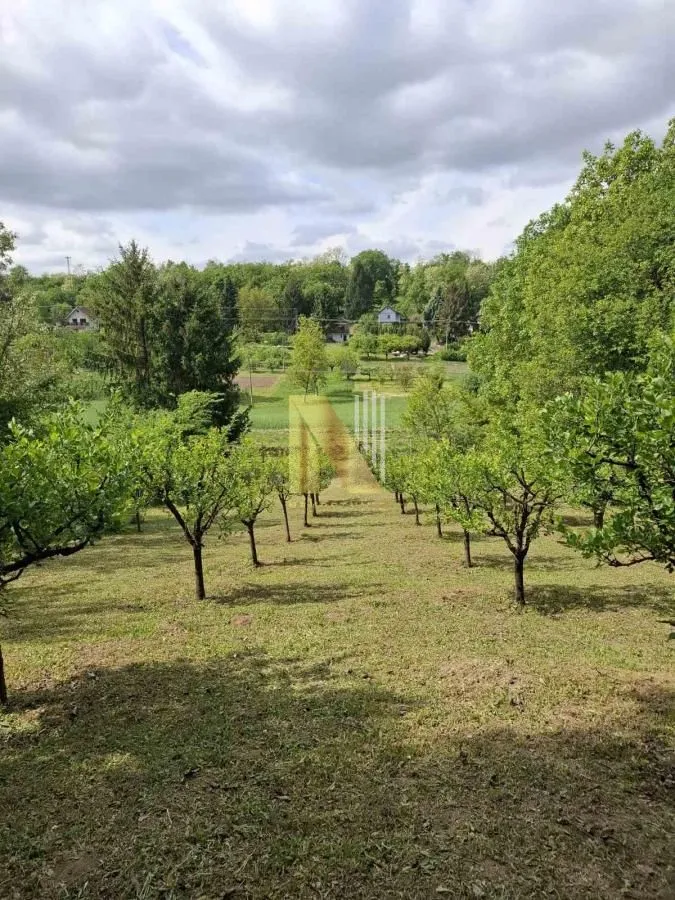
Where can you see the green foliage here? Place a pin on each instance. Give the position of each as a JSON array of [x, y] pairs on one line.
[[511, 483], [30, 367], [453, 353], [263, 358], [192, 344], [309, 361], [591, 282], [343, 358], [167, 332], [62, 483], [617, 442], [188, 467], [253, 481], [258, 312], [404, 375], [7, 239], [364, 343], [438, 411], [372, 282], [125, 302]]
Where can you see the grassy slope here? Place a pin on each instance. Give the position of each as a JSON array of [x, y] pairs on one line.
[[359, 718]]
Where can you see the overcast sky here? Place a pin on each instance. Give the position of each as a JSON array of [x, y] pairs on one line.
[[273, 129]]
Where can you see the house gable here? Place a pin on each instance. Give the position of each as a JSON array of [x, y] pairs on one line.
[[389, 316]]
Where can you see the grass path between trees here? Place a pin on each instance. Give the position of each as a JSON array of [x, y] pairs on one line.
[[360, 718]]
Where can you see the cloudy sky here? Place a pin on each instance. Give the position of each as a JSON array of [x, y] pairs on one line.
[[251, 129]]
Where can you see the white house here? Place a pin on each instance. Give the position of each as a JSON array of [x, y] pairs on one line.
[[338, 331], [389, 316], [81, 319]]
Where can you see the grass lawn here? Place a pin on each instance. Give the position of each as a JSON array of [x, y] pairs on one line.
[[359, 718], [270, 404]]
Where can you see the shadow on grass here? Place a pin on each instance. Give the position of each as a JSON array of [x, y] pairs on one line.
[[322, 562], [344, 514], [533, 563], [554, 599], [291, 594], [244, 776], [329, 536]]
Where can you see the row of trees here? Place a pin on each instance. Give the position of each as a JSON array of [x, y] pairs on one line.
[[575, 376], [65, 483], [443, 293], [611, 450]]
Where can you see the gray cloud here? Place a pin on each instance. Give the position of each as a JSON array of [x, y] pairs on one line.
[[329, 126], [309, 233], [253, 251]]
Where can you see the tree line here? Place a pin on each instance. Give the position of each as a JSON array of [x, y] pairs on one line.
[[572, 398], [442, 294]]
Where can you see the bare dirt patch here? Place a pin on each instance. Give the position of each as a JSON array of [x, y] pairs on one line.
[[258, 380]]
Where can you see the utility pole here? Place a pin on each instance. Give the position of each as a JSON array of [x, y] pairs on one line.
[[68, 264]]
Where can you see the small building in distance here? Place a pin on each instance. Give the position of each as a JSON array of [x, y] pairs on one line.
[[81, 319], [389, 316], [337, 331]]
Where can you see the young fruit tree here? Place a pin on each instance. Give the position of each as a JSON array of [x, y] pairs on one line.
[[513, 487], [309, 361], [621, 434], [280, 475], [192, 474], [448, 421], [448, 484], [321, 473], [62, 484], [253, 487], [398, 465]]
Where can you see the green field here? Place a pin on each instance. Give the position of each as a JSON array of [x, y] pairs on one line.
[[359, 718]]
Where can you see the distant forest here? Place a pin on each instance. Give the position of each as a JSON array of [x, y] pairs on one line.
[[442, 294]]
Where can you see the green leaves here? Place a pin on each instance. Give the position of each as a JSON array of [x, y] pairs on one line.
[[591, 282], [618, 438], [309, 362], [62, 484], [254, 480]]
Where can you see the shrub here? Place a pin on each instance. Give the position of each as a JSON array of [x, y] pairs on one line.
[[452, 353]]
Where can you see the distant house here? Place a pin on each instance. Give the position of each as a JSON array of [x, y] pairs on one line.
[[81, 319], [389, 316], [338, 331]]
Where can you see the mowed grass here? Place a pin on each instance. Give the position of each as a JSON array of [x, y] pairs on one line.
[[270, 404], [359, 718]]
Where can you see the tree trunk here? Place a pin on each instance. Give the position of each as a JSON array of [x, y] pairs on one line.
[[417, 511], [254, 550], [396, 497], [467, 549], [138, 521], [200, 591], [599, 516], [306, 496], [3, 683], [439, 528], [284, 508], [519, 565], [401, 500], [318, 500], [313, 499]]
